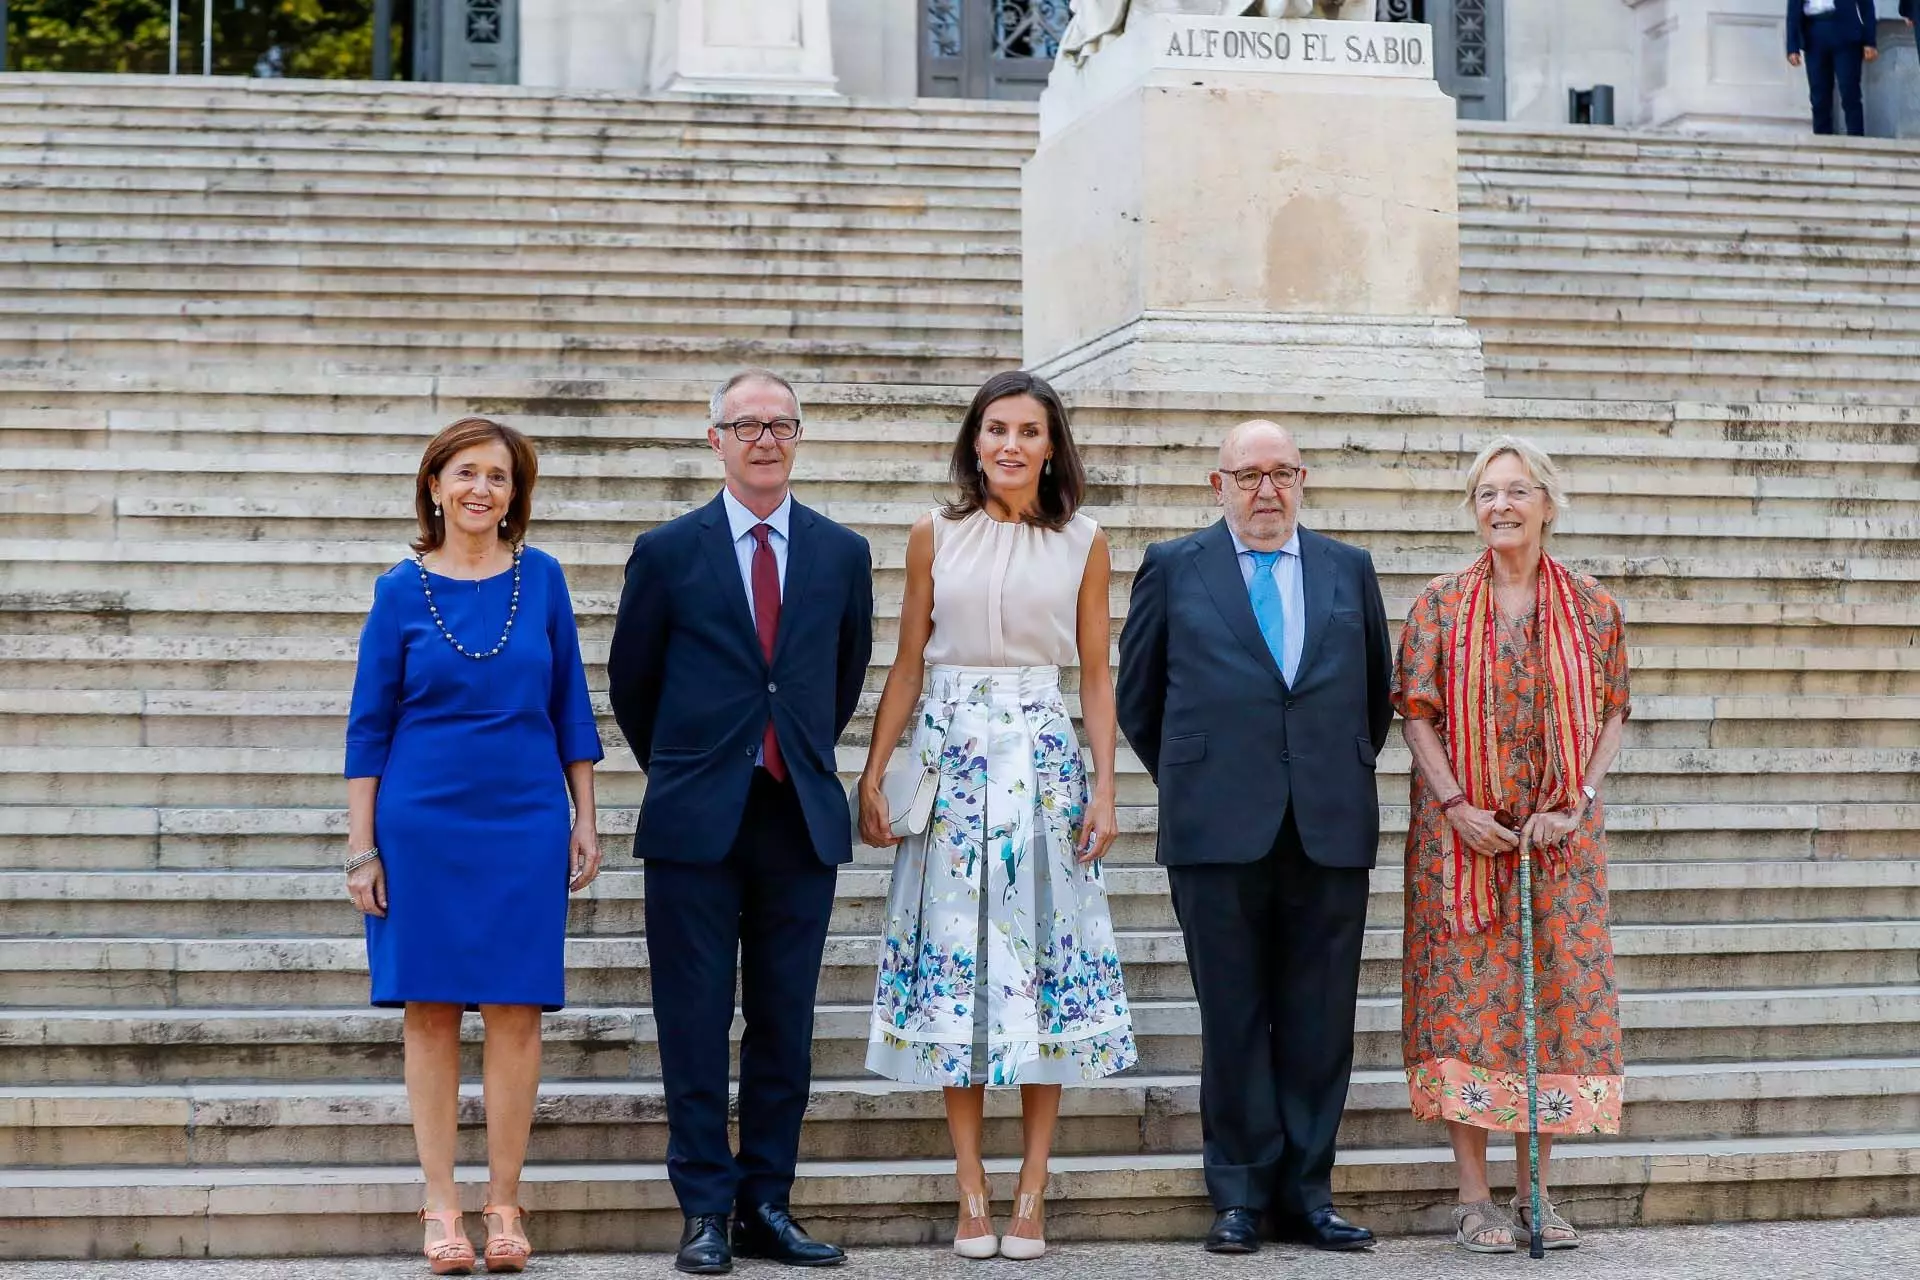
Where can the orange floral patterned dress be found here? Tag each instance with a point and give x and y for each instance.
(1460, 1012)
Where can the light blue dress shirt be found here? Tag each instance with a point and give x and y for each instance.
(740, 522)
(1286, 575)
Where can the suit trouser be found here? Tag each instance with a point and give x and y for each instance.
(767, 904)
(1833, 63)
(1274, 947)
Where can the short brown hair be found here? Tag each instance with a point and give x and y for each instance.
(1061, 487)
(464, 434)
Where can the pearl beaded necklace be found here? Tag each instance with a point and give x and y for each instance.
(513, 609)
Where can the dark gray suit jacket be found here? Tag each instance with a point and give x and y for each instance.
(1230, 743)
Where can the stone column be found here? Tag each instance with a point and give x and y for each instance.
(744, 46)
(1248, 204)
(1718, 66)
(1892, 86)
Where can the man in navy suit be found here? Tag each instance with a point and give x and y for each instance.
(1255, 674)
(737, 661)
(1835, 39)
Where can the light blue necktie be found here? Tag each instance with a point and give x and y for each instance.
(1267, 609)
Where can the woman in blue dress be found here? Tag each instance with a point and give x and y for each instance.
(470, 726)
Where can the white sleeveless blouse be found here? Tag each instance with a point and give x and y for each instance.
(1007, 595)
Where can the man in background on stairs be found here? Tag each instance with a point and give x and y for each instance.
(1255, 675)
(737, 660)
(1834, 39)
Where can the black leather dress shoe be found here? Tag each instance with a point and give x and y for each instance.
(769, 1231)
(1325, 1229)
(703, 1246)
(1234, 1231)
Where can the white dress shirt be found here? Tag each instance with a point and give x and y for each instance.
(1816, 8)
(741, 522)
(1286, 575)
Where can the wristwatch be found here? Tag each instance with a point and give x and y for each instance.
(1587, 804)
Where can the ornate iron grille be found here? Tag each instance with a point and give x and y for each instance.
(1400, 11)
(483, 21)
(1470, 37)
(943, 28)
(1029, 28)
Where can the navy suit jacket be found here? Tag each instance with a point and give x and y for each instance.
(1230, 742)
(1854, 22)
(693, 691)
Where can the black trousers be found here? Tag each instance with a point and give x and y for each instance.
(1831, 64)
(766, 906)
(1274, 947)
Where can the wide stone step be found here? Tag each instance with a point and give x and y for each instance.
(1577, 536)
(193, 905)
(648, 474)
(239, 1125)
(605, 970)
(339, 613)
(281, 776)
(155, 1046)
(399, 411)
(226, 718)
(182, 662)
(39, 837)
(365, 1210)
(342, 567)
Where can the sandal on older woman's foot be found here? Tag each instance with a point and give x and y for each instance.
(1555, 1231)
(1029, 1210)
(452, 1254)
(507, 1252)
(1480, 1227)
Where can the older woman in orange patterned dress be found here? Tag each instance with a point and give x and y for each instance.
(1513, 681)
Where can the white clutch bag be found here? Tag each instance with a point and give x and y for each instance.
(908, 791)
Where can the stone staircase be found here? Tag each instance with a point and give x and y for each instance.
(408, 228)
(187, 1064)
(231, 316)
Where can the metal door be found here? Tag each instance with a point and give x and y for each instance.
(989, 48)
(467, 41)
(1469, 38)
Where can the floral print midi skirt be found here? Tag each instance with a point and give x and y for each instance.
(998, 964)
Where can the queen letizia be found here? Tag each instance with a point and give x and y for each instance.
(998, 965)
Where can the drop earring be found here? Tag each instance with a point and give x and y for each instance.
(436, 511)
(979, 464)
(1047, 470)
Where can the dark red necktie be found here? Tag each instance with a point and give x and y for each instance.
(766, 620)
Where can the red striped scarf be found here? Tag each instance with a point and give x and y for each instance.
(1473, 883)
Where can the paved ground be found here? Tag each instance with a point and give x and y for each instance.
(1879, 1250)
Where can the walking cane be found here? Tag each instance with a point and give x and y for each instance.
(1530, 1038)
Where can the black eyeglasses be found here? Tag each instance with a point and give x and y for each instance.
(1249, 478)
(747, 430)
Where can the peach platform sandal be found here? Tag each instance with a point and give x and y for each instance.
(452, 1254)
(505, 1252)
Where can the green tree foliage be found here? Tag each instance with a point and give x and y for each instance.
(319, 39)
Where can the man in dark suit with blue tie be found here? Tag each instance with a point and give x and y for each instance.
(737, 661)
(1835, 39)
(1255, 674)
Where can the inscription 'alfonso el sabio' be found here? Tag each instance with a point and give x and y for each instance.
(1324, 48)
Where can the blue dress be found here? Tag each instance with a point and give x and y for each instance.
(472, 819)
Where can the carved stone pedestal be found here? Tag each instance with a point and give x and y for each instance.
(1248, 205)
(743, 46)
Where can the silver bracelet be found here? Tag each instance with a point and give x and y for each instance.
(357, 860)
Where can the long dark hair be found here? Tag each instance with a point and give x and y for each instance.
(1061, 488)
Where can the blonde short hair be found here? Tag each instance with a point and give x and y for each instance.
(1541, 467)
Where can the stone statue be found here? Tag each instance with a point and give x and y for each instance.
(1096, 21)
